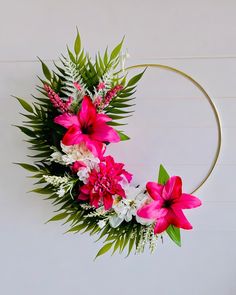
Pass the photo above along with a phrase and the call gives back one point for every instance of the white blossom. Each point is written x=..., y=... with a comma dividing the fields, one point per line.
x=56, y=180
x=73, y=153
x=61, y=192
x=56, y=156
x=77, y=152
x=63, y=184
x=126, y=208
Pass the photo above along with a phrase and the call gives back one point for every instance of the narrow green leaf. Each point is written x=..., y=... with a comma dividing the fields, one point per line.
x=131, y=244
x=43, y=191
x=104, y=249
x=123, y=136
x=163, y=175
x=116, y=50
x=28, y=167
x=105, y=57
x=71, y=56
x=122, y=240
x=116, y=117
x=25, y=105
x=27, y=131
x=116, y=246
x=112, y=123
x=77, y=228
x=174, y=234
x=134, y=80
x=46, y=71
x=58, y=217
x=77, y=45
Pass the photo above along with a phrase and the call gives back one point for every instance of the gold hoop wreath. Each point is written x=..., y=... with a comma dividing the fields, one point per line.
x=68, y=126
x=211, y=104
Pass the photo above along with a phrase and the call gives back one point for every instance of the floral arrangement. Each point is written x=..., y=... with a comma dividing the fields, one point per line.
x=69, y=125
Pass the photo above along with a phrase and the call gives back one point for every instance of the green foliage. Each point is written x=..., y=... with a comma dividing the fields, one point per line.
x=116, y=51
x=25, y=104
x=121, y=105
x=123, y=136
x=174, y=234
x=46, y=70
x=28, y=167
x=58, y=217
x=104, y=249
x=77, y=45
x=163, y=175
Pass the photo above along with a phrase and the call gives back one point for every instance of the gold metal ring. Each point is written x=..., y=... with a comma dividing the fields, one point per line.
x=212, y=105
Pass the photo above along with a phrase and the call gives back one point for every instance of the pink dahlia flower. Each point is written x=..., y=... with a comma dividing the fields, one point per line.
x=168, y=202
x=87, y=127
x=105, y=183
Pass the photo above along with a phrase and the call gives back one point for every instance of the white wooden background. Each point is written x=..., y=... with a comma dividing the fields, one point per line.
x=172, y=124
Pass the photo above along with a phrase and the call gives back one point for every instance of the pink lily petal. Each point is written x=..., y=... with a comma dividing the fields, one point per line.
x=180, y=220
x=66, y=120
x=87, y=114
x=187, y=201
x=95, y=147
x=155, y=190
x=161, y=225
x=173, y=188
x=152, y=211
x=102, y=118
x=73, y=136
x=103, y=132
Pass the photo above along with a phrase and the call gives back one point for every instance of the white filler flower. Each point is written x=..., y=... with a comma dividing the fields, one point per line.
x=126, y=208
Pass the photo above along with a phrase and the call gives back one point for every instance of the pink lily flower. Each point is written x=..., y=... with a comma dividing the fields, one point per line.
x=87, y=127
x=168, y=202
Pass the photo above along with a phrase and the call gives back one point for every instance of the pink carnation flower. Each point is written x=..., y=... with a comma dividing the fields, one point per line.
x=168, y=202
x=87, y=127
x=104, y=184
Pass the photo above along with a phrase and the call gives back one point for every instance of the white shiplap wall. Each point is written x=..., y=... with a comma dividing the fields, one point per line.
x=197, y=37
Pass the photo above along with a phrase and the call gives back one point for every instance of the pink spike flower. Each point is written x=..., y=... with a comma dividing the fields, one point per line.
x=87, y=127
x=105, y=183
x=112, y=93
x=56, y=101
x=101, y=103
x=168, y=202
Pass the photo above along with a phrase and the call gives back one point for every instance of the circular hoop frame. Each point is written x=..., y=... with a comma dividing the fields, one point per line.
x=211, y=103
